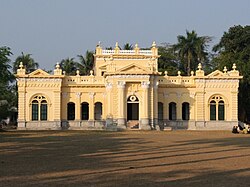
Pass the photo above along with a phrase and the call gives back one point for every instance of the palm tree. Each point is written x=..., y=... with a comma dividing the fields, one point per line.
x=28, y=62
x=69, y=65
x=128, y=46
x=191, y=49
x=86, y=63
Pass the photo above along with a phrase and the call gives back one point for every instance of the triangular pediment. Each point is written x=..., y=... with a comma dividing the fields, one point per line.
x=39, y=72
x=216, y=73
x=133, y=69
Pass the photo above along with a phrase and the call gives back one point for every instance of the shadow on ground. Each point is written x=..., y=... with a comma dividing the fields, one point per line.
x=138, y=158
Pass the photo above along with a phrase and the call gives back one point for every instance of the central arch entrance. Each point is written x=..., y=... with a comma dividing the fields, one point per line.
x=133, y=112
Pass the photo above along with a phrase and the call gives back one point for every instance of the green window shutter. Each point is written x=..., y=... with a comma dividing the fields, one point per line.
x=34, y=110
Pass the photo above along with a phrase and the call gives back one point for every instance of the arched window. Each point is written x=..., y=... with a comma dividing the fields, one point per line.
x=35, y=106
x=172, y=111
x=98, y=111
x=160, y=111
x=212, y=110
x=221, y=110
x=85, y=111
x=44, y=110
x=71, y=111
x=39, y=108
x=217, y=108
x=185, y=111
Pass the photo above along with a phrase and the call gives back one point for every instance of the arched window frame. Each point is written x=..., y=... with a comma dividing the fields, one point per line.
x=85, y=111
x=160, y=110
x=39, y=108
x=217, y=108
x=185, y=111
x=71, y=111
x=172, y=111
x=98, y=114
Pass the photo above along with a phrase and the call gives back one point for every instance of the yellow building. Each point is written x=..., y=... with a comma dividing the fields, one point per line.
x=124, y=91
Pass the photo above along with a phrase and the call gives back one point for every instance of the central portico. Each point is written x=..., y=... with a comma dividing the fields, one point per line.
x=131, y=80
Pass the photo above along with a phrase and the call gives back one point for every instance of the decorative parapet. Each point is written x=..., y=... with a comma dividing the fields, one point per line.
x=135, y=51
x=84, y=80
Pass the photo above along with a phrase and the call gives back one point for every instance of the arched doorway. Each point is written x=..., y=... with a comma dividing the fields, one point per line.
x=133, y=112
x=98, y=111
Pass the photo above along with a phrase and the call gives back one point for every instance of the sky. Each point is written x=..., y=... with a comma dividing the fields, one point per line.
x=52, y=30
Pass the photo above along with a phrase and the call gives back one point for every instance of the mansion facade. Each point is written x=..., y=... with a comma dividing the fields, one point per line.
x=125, y=90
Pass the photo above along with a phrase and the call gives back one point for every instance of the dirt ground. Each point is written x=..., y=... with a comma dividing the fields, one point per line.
x=131, y=158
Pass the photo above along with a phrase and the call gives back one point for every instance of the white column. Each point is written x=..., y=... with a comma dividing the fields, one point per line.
x=91, y=106
x=121, y=122
x=144, y=123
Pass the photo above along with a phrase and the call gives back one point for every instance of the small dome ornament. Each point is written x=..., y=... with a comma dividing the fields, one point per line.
x=166, y=73
x=179, y=73
x=199, y=66
x=234, y=67
x=91, y=73
x=21, y=65
x=153, y=44
x=57, y=65
x=225, y=69
x=192, y=73
x=77, y=73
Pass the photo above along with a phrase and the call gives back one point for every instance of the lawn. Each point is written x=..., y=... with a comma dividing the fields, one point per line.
x=130, y=158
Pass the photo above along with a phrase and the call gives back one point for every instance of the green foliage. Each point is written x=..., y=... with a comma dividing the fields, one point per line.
x=8, y=97
x=69, y=66
x=128, y=46
x=234, y=47
x=86, y=63
x=28, y=62
x=168, y=61
x=191, y=50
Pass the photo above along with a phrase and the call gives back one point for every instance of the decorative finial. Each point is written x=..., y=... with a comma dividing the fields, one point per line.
x=234, y=67
x=225, y=69
x=21, y=65
x=99, y=43
x=166, y=73
x=136, y=45
x=57, y=65
x=77, y=72
x=179, y=73
x=192, y=73
x=199, y=66
x=153, y=44
x=116, y=45
x=91, y=72
x=64, y=72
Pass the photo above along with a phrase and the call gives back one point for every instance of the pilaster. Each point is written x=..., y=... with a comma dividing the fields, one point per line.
x=78, y=106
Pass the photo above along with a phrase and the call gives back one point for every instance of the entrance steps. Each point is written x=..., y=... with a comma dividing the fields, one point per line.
x=133, y=124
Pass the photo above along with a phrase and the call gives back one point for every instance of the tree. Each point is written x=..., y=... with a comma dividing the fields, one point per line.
x=69, y=65
x=5, y=75
x=128, y=46
x=168, y=60
x=234, y=47
x=28, y=62
x=86, y=62
x=191, y=50
x=8, y=97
